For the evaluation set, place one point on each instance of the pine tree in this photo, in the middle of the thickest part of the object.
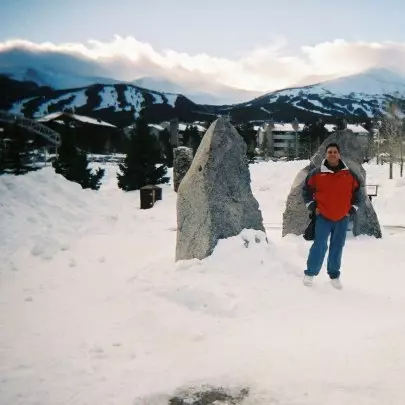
(341, 123)
(144, 160)
(164, 139)
(186, 137)
(313, 135)
(305, 146)
(249, 136)
(72, 164)
(195, 139)
(290, 152)
(191, 138)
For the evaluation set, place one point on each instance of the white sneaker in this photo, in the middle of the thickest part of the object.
(308, 280)
(336, 283)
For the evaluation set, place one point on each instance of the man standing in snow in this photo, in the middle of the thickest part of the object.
(332, 192)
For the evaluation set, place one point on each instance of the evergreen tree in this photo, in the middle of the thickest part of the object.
(72, 164)
(195, 139)
(192, 138)
(248, 134)
(144, 162)
(371, 150)
(164, 139)
(290, 152)
(186, 136)
(313, 135)
(341, 123)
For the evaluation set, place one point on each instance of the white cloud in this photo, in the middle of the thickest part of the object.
(264, 68)
(344, 57)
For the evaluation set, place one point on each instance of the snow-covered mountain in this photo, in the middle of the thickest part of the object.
(119, 104)
(160, 84)
(361, 95)
(98, 97)
(51, 78)
(356, 97)
(223, 95)
(53, 69)
(371, 82)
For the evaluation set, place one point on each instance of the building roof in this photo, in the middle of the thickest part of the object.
(356, 128)
(287, 127)
(166, 125)
(278, 127)
(183, 126)
(156, 126)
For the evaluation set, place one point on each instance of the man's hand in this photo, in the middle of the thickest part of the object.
(352, 211)
(311, 207)
(317, 211)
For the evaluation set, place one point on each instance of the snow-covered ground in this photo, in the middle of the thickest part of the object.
(93, 309)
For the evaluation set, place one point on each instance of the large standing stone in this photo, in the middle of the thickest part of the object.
(182, 158)
(214, 199)
(295, 217)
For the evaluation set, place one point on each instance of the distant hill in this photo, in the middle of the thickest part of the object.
(119, 104)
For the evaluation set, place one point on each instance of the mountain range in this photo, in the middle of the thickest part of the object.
(35, 92)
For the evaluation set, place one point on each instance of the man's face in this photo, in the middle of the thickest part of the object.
(332, 156)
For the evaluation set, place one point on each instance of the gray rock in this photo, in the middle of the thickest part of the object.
(295, 217)
(214, 199)
(182, 158)
(209, 395)
(198, 394)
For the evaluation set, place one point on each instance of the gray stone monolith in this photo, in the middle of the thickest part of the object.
(365, 222)
(215, 200)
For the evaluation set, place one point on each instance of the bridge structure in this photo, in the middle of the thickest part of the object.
(31, 125)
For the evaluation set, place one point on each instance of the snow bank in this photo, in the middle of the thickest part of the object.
(96, 311)
(40, 212)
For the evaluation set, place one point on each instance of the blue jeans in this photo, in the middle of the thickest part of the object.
(337, 231)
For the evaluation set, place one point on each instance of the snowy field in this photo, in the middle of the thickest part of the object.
(93, 309)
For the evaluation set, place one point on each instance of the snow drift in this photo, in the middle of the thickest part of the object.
(93, 309)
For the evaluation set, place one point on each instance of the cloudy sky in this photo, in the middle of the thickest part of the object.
(254, 45)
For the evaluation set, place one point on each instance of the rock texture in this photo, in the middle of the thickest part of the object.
(209, 395)
(182, 158)
(199, 394)
(215, 200)
(365, 222)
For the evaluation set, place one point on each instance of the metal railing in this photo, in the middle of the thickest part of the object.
(31, 125)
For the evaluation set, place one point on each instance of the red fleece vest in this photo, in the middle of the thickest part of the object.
(333, 192)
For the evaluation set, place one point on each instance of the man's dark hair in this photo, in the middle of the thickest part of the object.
(333, 145)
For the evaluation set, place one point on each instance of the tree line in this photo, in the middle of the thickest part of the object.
(147, 157)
